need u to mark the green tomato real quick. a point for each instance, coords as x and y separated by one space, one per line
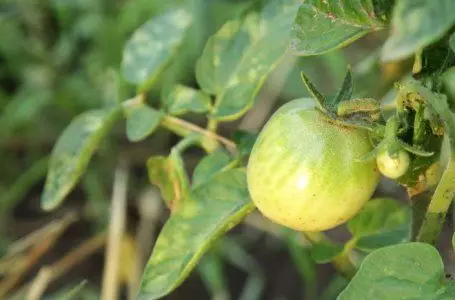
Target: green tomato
393 166
304 171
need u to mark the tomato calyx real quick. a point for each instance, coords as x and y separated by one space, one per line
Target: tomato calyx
344 111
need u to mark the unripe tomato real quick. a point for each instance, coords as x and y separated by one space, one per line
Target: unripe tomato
393 166
304 172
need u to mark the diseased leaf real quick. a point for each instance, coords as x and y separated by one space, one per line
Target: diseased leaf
152 46
381 222
183 99
141 121
238 58
412 271
217 63
73 151
416 24
207 212
210 165
323 26
169 175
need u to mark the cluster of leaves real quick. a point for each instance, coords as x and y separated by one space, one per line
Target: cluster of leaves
232 68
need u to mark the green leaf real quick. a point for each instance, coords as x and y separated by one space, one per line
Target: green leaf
325 252
209 211
153 45
245 141
141 121
169 175
412 271
314 92
416 24
73 151
218 60
238 58
453 241
345 91
211 165
381 222
182 99
323 26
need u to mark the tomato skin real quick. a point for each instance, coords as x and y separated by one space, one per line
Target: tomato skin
393 167
304 172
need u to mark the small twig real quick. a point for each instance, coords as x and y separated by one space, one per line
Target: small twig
47 239
170 122
116 231
32 238
49 273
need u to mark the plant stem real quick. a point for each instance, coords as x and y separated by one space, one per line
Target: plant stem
184 128
439 204
212 125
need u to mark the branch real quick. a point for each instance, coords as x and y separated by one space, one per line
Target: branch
45 238
116 231
184 128
49 273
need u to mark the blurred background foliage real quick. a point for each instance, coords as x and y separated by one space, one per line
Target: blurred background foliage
59 58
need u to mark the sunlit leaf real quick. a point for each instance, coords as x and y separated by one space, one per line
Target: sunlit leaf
152 46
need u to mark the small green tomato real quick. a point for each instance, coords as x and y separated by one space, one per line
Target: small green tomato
304 172
393 166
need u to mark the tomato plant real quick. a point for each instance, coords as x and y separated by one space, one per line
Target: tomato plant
192 79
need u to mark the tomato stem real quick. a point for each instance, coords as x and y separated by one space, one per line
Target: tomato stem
209 139
439 204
